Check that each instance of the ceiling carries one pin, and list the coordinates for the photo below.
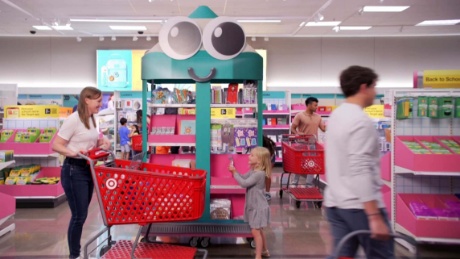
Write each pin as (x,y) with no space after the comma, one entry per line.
(18,16)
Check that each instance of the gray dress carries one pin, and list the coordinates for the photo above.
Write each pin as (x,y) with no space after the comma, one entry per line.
(256,209)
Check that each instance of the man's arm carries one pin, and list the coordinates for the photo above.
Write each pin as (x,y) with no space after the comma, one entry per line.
(295,124)
(362,163)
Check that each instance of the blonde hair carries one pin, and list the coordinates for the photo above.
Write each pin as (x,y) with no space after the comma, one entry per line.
(263,154)
(90,93)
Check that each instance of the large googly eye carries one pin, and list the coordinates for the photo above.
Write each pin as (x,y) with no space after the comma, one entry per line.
(223,38)
(180,38)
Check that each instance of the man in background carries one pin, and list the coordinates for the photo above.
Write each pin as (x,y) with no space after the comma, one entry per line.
(307,123)
(352,198)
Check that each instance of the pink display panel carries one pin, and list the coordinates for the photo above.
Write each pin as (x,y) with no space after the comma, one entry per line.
(167,159)
(27,148)
(8,205)
(31,190)
(385,166)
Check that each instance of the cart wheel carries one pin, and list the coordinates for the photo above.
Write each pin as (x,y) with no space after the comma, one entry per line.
(297,204)
(104,249)
(281,193)
(204,242)
(251,242)
(319,204)
(193,242)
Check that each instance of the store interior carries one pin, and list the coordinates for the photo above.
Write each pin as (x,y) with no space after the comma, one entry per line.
(256,91)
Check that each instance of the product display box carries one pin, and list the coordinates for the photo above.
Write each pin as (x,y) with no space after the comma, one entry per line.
(413,154)
(23,142)
(434,215)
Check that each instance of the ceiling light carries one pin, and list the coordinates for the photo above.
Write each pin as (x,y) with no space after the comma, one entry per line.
(62,28)
(114,38)
(127,28)
(148,38)
(259,21)
(135,38)
(438,22)
(78,39)
(315,24)
(302,24)
(336,29)
(385,8)
(115,20)
(101,38)
(355,28)
(266,39)
(42,27)
(253,38)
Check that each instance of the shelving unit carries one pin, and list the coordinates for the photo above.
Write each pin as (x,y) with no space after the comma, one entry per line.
(35,196)
(432,185)
(246,66)
(8,96)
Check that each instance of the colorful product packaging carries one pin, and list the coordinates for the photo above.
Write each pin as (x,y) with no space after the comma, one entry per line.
(457,107)
(6,155)
(446,107)
(433,107)
(5,135)
(422,105)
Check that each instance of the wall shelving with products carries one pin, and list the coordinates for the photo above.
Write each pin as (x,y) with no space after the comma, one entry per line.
(425,173)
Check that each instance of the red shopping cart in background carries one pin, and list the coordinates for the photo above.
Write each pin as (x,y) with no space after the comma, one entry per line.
(132,192)
(136,142)
(302,155)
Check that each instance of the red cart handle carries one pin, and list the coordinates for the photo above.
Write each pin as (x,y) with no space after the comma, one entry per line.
(97,153)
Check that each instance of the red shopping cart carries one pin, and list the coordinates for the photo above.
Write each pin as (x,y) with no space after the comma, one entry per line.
(302,155)
(131,192)
(136,141)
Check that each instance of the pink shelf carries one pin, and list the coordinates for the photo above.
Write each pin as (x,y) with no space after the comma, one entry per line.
(404,157)
(167,159)
(8,205)
(386,195)
(425,227)
(39,191)
(220,185)
(183,139)
(277,112)
(385,166)
(278,159)
(27,148)
(276,127)
(278,144)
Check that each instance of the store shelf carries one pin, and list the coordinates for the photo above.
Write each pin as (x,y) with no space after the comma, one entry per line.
(402,170)
(225,186)
(37,155)
(279,144)
(402,230)
(387,183)
(324,114)
(171,140)
(276,127)
(216,105)
(276,112)
(175,105)
(6,164)
(279,160)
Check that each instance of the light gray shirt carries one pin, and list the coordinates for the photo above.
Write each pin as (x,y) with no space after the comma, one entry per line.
(352,159)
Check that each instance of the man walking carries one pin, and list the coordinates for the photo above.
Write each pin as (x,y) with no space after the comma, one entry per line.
(352,197)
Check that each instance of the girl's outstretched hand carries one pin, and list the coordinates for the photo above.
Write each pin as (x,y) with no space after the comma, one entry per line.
(231,168)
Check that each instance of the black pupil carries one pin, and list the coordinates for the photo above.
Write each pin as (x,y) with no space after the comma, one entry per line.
(231,41)
(184,38)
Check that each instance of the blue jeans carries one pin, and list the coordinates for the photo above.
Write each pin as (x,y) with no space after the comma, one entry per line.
(345,221)
(78,187)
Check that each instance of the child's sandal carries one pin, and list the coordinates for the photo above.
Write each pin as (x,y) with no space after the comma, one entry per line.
(265,253)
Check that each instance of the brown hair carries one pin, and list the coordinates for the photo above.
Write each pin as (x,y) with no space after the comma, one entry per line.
(90,93)
(353,77)
(263,154)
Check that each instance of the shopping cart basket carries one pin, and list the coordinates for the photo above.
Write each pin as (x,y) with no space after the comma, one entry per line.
(136,141)
(140,193)
(347,238)
(302,155)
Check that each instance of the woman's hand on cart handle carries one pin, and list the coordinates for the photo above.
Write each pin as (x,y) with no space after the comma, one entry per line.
(379,230)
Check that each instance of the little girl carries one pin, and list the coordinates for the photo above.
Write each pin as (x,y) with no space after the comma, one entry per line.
(256,211)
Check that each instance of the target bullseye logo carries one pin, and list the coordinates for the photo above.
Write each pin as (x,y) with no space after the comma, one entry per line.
(311,163)
(111,184)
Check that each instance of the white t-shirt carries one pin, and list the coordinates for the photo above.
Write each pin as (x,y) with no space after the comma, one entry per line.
(352,159)
(79,137)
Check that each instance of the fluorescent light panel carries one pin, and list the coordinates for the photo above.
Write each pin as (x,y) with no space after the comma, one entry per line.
(388,9)
(42,27)
(116,21)
(354,28)
(319,24)
(259,21)
(438,22)
(127,28)
(62,28)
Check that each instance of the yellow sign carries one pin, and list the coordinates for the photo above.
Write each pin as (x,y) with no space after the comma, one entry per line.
(375,111)
(223,113)
(32,111)
(65,112)
(441,78)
